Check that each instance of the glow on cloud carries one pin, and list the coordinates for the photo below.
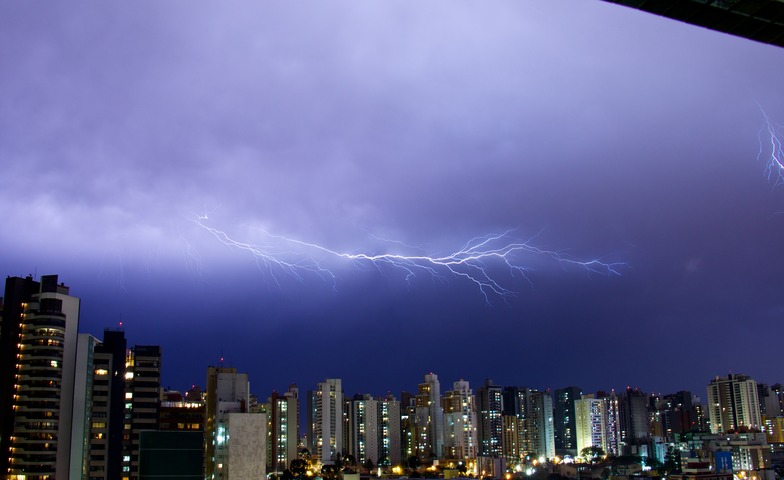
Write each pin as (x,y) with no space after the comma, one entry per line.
(474,262)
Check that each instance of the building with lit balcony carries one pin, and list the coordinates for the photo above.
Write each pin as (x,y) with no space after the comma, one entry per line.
(107,410)
(460,422)
(325,420)
(283,428)
(142,401)
(535,427)
(181,413)
(38,339)
(489,424)
(429,419)
(374,429)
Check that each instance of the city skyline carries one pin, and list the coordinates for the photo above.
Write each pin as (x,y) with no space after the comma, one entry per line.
(87,408)
(583,129)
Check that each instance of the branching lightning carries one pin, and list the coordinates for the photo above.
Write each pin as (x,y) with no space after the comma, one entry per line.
(474,262)
(773,153)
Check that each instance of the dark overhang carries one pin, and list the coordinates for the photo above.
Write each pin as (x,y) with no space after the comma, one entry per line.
(760,20)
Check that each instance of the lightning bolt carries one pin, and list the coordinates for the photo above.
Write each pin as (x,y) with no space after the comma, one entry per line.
(474,262)
(774,154)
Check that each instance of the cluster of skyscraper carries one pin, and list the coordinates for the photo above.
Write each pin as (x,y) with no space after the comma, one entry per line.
(73,406)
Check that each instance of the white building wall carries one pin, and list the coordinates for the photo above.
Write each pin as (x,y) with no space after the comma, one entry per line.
(233,389)
(71,311)
(247,446)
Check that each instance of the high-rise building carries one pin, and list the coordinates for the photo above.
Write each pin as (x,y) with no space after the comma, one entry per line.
(361,419)
(534,412)
(768,401)
(490,425)
(460,422)
(564,420)
(247,449)
(733,404)
(142,402)
(180,412)
(227,392)
(38,345)
(325,420)
(516,441)
(283,428)
(512,436)
(596,421)
(539,424)
(408,426)
(633,416)
(83,402)
(18,294)
(612,422)
(777,390)
(389,430)
(429,418)
(374,429)
(107,423)
(589,422)
(676,413)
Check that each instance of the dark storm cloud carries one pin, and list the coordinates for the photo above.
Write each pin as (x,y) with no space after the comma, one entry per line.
(605,131)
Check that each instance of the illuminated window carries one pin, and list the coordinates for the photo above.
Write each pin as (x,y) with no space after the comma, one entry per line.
(101,371)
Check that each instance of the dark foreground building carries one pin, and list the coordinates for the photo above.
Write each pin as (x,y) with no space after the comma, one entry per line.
(171,454)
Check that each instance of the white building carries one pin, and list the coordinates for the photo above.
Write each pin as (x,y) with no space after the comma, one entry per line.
(374,429)
(325,420)
(733,403)
(247,446)
(460,437)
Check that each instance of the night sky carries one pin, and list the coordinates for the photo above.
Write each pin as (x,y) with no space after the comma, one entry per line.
(587,129)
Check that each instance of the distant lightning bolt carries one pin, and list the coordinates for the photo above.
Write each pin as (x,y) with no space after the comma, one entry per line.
(773,154)
(473,262)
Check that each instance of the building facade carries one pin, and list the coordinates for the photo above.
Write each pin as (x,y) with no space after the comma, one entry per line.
(325,420)
(490,425)
(460,422)
(564,420)
(227,392)
(39,343)
(429,419)
(283,428)
(733,404)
